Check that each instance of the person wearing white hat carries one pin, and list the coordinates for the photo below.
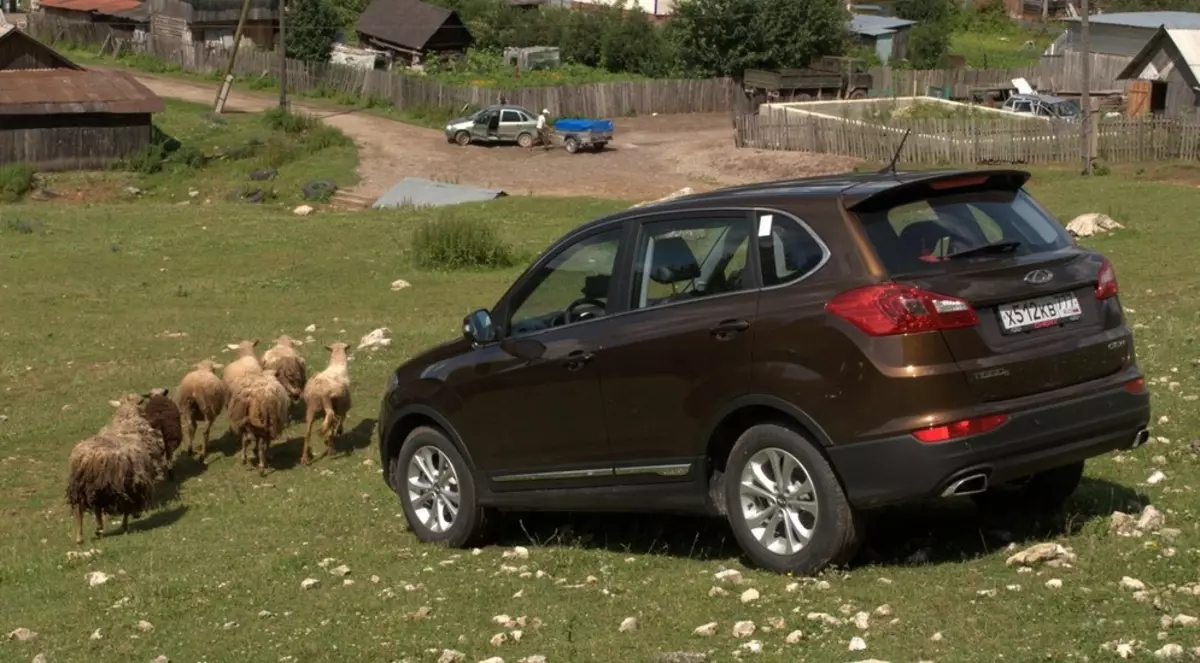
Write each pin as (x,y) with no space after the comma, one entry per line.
(543,134)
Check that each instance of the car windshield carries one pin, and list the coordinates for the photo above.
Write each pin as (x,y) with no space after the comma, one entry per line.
(1067,108)
(916,236)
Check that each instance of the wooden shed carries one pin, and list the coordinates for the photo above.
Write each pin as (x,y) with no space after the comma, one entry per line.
(885,35)
(214,22)
(412,29)
(128,18)
(56,115)
(1165,74)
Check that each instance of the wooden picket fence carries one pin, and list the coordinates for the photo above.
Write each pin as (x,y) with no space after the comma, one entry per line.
(958,142)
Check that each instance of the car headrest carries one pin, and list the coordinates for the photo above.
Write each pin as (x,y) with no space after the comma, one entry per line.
(673,261)
(595,286)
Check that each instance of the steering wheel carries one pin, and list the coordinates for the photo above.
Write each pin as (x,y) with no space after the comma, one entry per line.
(584,315)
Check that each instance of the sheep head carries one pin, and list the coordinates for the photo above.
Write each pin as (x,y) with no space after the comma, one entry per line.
(285,341)
(157,391)
(206,365)
(245,348)
(337,352)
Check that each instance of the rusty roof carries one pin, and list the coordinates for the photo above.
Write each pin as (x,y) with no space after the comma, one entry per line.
(54,91)
(110,7)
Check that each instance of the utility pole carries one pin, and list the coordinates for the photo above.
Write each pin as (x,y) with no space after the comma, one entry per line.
(227,79)
(282,58)
(1085,98)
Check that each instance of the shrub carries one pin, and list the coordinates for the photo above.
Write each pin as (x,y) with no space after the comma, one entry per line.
(458,242)
(15,181)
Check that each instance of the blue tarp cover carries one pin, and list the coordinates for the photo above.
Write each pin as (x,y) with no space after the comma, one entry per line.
(583,126)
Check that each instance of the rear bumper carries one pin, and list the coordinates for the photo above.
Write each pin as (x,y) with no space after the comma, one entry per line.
(1070,427)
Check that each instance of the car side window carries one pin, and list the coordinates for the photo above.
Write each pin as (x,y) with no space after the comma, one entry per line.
(787,250)
(685,259)
(571,287)
(510,116)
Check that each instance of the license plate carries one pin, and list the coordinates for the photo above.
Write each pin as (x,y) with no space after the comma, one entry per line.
(1040,312)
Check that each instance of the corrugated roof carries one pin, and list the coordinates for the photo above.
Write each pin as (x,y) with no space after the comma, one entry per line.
(427,193)
(1173,20)
(109,7)
(873,26)
(74,91)
(1186,41)
(32,47)
(407,23)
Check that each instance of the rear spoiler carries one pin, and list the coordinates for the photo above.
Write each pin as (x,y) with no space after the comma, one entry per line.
(936,183)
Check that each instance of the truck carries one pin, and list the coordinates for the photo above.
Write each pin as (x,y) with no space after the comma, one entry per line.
(828,78)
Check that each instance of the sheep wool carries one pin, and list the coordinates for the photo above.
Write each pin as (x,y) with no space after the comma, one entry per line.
(327,392)
(290,368)
(244,365)
(114,471)
(258,413)
(201,396)
(163,415)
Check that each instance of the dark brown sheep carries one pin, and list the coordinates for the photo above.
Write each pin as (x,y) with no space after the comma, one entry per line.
(163,415)
(290,368)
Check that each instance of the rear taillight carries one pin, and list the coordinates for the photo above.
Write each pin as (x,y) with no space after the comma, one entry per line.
(892,308)
(1136,386)
(1106,282)
(962,428)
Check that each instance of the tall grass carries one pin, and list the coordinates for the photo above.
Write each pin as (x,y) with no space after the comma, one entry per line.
(15,181)
(456,242)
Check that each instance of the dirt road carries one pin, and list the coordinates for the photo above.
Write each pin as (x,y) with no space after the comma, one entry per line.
(651,156)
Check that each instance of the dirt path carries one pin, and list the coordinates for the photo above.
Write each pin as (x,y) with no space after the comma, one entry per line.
(651,156)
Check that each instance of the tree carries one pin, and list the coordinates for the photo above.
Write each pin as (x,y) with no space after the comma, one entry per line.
(929,39)
(312,27)
(727,37)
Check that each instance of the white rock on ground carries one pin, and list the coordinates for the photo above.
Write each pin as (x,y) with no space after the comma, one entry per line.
(96,635)
(857,644)
(743,629)
(794,637)
(754,647)
(628,624)
(494,659)
(536,658)
(342,570)
(936,637)
(145,626)
(379,338)
(41,658)
(310,329)
(862,621)
(303,210)
(705,630)
(1184,620)
(499,639)
(518,552)
(1054,583)
(884,610)
(1156,478)
(452,656)
(732,576)
(309,583)
(1132,584)
(1092,223)
(161,658)
(750,595)
(97,578)
(1049,554)
(400,284)
(1168,651)
(23,635)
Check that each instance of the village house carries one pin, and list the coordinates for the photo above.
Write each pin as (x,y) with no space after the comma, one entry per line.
(886,36)
(412,30)
(214,22)
(1165,75)
(128,19)
(57,115)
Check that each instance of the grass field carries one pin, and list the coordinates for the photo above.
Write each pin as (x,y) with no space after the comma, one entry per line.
(216,157)
(96,298)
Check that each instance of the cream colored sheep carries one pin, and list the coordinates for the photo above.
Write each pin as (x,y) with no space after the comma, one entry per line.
(258,412)
(201,396)
(328,392)
(290,368)
(245,364)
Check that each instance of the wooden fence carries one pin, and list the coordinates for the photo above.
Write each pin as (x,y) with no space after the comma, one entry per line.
(958,142)
(717,95)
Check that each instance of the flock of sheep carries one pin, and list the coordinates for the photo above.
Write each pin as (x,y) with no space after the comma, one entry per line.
(115,470)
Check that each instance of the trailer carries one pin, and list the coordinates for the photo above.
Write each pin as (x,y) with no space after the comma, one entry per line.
(827,78)
(576,134)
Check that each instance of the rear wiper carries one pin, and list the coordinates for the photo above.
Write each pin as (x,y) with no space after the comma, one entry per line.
(996,247)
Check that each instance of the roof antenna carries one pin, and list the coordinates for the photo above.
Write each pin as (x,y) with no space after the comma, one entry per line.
(891,167)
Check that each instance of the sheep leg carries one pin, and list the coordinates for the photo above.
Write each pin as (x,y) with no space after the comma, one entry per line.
(204,440)
(191,434)
(245,446)
(262,458)
(78,525)
(125,523)
(99,523)
(327,425)
(310,417)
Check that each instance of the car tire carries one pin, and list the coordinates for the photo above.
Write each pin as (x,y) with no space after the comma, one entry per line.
(1045,491)
(835,531)
(462,138)
(571,144)
(525,140)
(428,517)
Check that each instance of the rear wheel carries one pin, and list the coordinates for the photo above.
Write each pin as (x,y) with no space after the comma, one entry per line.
(1044,491)
(436,489)
(572,144)
(785,505)
(462,138)
(525,140)
(858,93)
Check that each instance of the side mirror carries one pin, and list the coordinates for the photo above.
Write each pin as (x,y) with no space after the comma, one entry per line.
(478,327)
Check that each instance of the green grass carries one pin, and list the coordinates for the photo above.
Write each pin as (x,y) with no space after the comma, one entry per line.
(1001,49)
(95,295)
(487,69)
(217,154)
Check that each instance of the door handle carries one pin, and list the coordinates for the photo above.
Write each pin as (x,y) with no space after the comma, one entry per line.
(727,328)
(577,359)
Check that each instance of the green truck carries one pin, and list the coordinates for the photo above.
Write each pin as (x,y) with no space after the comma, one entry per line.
(827,78)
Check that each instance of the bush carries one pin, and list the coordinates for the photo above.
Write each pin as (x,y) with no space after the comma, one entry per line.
(459,242)
(15,181)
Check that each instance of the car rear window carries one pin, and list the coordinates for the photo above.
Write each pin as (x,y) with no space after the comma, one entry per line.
(917,235)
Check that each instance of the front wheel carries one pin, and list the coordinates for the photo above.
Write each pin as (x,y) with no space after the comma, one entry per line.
(437,489)
(785,505)
(462,138)
(1045,491)
(572,145)
(525,140)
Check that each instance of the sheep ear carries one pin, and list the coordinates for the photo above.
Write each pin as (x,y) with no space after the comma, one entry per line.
(329,348)
(254,344)
(166,390)
(115,403)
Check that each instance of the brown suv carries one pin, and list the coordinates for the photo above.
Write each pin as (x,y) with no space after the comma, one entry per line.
(783,354)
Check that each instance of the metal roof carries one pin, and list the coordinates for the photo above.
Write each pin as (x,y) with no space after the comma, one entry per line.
(419,192)
(47,91)
(1180,20)
(874,26)
(108,7)
(409,23)
(1186,41)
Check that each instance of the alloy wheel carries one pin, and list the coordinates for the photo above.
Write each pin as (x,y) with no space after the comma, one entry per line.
(779,501)
(433,489)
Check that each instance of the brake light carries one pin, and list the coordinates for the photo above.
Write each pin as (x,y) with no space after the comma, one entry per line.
(891,308)
(1106,282)
(1136,386)
(958,429)
(958,182)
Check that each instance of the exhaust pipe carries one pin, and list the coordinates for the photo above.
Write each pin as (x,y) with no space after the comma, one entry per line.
(968,485)
(1141,437)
